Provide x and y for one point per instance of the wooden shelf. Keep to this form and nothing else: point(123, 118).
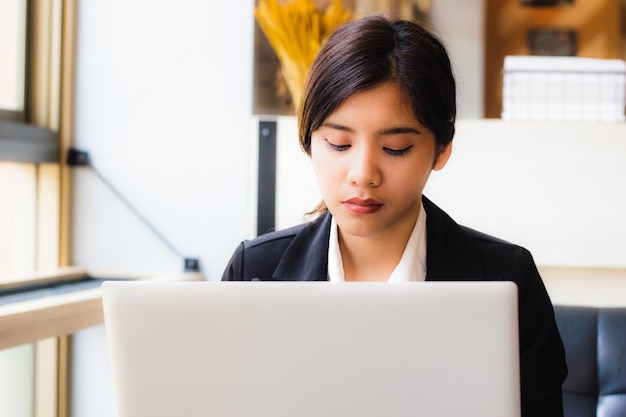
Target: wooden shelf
point(63, 314)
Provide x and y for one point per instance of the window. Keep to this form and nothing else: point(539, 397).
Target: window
point(17, 219)
point(36, 79)
point(13, 52)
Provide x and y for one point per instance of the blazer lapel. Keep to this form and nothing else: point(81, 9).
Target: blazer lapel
point(450, 254)
point(306, 258)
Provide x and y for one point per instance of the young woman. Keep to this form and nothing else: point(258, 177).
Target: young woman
point(377, 117)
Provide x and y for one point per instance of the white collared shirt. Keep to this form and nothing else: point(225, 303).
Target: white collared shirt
point(412, 265)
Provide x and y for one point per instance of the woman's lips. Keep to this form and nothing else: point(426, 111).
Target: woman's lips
point(360, 206)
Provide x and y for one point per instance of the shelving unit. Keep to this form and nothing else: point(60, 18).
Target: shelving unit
point(589, 28)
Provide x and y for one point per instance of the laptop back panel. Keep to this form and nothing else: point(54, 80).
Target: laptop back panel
point(313, 349)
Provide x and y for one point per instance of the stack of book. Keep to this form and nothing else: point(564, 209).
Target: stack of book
point(563, 88)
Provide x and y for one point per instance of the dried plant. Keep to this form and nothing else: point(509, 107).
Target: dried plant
point(296, 30)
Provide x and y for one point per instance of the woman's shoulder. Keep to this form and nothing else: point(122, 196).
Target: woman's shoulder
point(283, 236)
point(490, 242)
point(500, 258)
point(447, 228)
point(496, 257)
point(260, 257)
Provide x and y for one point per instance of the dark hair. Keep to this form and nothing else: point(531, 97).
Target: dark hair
point(364, 53)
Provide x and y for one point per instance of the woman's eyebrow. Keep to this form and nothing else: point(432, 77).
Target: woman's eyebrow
point(383, 132)
point(337, 127)
point(399, 131)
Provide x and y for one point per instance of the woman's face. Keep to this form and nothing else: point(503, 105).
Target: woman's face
point(372, 159)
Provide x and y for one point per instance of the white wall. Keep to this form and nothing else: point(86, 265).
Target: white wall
point(460, 24)
point(163, 106)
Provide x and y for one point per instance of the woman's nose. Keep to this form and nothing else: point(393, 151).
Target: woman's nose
point(364, 170)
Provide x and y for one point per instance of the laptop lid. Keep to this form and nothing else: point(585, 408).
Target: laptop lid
point(313, 349)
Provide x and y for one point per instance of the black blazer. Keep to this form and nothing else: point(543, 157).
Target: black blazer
point(453, 253)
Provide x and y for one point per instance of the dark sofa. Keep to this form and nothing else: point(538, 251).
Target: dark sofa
point(595, 347)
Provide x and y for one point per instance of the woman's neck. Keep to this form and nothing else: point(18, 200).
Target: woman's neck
point(371, 258)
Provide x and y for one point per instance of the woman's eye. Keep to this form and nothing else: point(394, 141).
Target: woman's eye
point(398, 152)
point(337, 147)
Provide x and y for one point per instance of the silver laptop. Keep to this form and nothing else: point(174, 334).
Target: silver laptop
point(295, 349)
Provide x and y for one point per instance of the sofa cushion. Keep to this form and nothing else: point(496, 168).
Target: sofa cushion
point(595, 349)
point(612, 362)
point(578, 327)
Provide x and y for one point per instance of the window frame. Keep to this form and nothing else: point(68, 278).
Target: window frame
point(21, 115)
point(40, 133)
point(22, 142)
